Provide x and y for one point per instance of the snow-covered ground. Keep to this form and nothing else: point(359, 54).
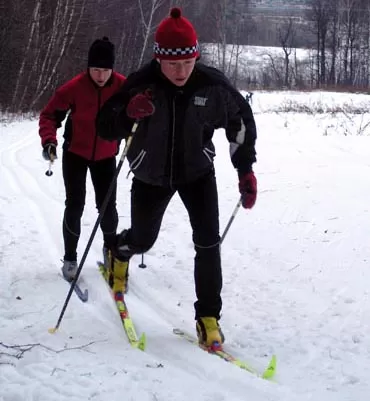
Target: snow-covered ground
point(252, 61)
point(296, 276)
point(255, 55)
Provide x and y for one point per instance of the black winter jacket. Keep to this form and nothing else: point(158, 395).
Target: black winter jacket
point(174, 145)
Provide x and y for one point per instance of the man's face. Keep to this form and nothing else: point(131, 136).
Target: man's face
point(178, 71)
point(100, 75)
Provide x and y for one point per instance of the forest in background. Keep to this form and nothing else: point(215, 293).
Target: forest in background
point(43, 43)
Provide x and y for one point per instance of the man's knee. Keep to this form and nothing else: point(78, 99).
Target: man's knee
point(109, 221)
point(127, 246)
point(206, 242)
point(74, 207)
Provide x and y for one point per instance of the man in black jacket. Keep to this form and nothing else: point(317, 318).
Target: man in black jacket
point(179, 104)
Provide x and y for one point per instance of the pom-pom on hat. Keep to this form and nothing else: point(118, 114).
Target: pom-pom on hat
point(101, 54)
point(175, 38)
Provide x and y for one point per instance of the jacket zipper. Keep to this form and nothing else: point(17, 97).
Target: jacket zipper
point(96, 136)
point(173, 139)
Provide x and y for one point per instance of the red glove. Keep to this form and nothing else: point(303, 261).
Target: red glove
point(248, 190)
point(140, 106)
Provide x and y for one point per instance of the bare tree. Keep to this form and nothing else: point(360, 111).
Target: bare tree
point(66, 15)
point(147, 18)
point(287, 39)
point(333, 42)
point(33, 23)
point(229, 29)
point(320, 16)
point(43, 43)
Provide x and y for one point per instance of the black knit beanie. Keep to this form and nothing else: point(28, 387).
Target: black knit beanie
point(101, 54)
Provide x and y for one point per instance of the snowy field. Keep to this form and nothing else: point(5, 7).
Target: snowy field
point(253, 60)
point(296, 274)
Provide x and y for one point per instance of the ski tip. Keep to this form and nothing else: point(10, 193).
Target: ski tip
point(142, 342)
point(85, 296)
point(270, 371)
point(52, 330)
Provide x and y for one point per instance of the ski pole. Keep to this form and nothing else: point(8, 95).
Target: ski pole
point(231, 220)
point(96, 226)
point(48, 172)
point(142, 265)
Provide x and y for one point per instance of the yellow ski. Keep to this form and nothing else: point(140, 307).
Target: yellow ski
point(268, 373)
point(126, 320)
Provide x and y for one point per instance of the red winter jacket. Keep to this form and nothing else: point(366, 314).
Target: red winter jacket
point(83, 99)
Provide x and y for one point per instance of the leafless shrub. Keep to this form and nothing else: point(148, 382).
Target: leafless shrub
point(320, 107)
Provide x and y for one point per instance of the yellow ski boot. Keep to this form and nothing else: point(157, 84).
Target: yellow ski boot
point(209, 332)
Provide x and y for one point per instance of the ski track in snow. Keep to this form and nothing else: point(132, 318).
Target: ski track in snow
point(295, 281)
point(45, 373)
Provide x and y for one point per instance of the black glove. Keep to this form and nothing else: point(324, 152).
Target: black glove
point(50, 151)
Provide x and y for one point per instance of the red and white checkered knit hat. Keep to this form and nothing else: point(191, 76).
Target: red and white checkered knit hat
point(175, 38)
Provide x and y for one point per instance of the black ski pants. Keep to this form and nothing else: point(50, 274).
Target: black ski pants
point(200, 198)
point(74, 175)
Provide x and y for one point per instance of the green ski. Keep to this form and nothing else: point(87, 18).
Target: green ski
point(126, 320)
point(268, 373)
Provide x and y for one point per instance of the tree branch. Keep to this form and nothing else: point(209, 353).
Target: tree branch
point(20, 350)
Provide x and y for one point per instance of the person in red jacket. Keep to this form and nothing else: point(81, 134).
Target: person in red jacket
point(82, 97)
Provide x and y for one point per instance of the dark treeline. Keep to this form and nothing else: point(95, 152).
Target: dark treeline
point(43, 43)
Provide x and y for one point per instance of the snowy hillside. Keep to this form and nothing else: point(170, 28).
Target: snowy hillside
point(296, 275)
